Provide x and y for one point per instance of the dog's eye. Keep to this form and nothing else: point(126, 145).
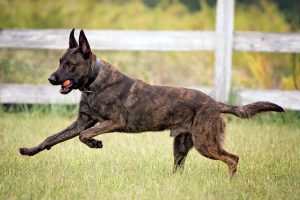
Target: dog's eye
point(69, 67)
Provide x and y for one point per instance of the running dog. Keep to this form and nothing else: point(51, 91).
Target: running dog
point(114, 102)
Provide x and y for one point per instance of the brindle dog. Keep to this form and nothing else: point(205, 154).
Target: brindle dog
point(114, 102)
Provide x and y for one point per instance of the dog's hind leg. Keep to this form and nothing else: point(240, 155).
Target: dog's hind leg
point(182, 144)
point(86, 136)
point(208, 134)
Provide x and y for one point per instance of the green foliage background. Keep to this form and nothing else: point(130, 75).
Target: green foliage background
point(257, 70)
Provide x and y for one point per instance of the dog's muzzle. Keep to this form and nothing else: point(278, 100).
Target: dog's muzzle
point(53, 80)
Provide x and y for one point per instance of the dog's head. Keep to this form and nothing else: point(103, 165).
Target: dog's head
point(74, 66)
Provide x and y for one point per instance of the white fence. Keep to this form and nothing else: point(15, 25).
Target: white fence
point(223, 42)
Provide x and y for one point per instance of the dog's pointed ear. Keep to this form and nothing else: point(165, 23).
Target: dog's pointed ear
point(84, 46)
point(72, 41)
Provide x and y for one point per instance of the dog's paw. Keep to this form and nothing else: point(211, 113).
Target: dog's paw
point(96, 144)
point(26, 152)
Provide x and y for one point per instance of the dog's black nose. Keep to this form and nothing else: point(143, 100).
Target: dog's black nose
point(52, 79)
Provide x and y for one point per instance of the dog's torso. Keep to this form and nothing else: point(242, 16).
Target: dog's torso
point(140, 106)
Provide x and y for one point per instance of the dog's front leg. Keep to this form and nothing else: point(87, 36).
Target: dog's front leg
point(83, 122)
point(87, 135)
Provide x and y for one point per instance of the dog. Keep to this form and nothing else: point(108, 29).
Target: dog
point(114, 102)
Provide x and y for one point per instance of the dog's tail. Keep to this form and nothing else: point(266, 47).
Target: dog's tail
point(249, 110)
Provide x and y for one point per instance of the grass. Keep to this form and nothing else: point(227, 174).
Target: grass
point(139, 166)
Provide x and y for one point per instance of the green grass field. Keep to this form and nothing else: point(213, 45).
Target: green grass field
point(139, 166)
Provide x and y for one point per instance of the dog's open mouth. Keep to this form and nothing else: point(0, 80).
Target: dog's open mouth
point(66, 87)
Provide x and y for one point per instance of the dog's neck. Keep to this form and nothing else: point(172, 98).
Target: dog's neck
point(93, 75)
point(109, 76)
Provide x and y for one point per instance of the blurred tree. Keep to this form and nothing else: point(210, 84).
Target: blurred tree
point(290, 9)
point(151, 3)
point(192, 5)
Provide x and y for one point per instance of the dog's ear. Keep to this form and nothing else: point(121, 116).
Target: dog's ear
point(84, 46)
point(72, 41)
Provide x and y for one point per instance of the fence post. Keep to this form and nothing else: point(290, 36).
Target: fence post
point(223, 51)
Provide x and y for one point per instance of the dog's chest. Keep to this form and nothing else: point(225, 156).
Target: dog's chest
point(98, 106)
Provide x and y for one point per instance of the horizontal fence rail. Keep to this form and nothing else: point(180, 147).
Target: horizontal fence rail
point(267, 42)
point(150, 40)
point(111, 39)
point(35, 94)
point(288, 99)
point(47, 94)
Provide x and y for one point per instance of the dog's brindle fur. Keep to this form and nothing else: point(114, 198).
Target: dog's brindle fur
point(118, 103)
